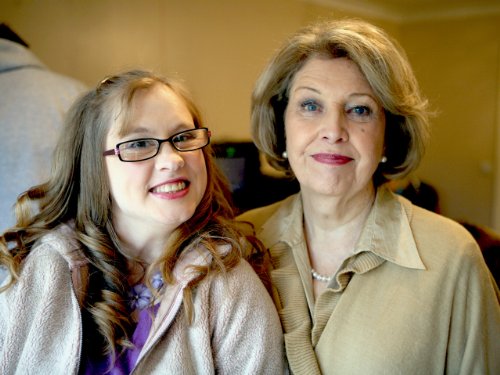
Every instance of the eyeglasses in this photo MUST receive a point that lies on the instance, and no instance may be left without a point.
(147, 148)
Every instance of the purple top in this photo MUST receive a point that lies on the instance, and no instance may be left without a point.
(127, 360)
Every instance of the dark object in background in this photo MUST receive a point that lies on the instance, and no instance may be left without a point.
(250, 188)
(417, 192)
(7, 33)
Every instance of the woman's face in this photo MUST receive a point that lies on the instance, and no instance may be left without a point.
(334, 128)
(161, 193)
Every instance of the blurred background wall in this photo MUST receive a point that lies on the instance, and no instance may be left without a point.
(218, 48)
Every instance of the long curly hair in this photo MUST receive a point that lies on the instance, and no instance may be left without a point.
(78, 192)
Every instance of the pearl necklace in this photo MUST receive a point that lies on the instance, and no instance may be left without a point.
(320, 277)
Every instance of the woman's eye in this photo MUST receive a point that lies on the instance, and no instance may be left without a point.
(139, 144)
(183, 137)
(360, 113)
(310, 106)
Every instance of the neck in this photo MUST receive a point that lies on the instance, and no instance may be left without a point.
(145, 244)
(332, 228)
(330, 212)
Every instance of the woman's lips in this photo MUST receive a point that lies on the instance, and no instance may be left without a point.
(333, 159)
(171, 190)
(169, 187)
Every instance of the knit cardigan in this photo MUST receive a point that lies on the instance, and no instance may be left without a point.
(236, 329)
(415, 297)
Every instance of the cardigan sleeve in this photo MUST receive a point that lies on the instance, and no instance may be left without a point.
(3, 308)
(247, 335)
(40, 322)
(475, 323)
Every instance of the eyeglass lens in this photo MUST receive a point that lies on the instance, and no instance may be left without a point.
(146, 148)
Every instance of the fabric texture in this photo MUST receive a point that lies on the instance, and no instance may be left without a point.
(416, 296)
(126, 361)
(33, 103)
(236, 329)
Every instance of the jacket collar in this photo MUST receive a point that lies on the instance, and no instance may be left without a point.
(15, 56)
(185, 271)
(387, 232)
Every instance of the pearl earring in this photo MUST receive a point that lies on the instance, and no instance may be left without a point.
(384, 159)
(284, 155)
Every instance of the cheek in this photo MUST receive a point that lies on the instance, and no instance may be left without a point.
(114, 173)
(288, 127)
(198, 169)
(114, 182)
(204, 182)
(203, 174)
(110, 173)
(123, 176)
(374, 138)
(290, 134)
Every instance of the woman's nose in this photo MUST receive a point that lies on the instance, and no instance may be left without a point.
(168, 158)
(334, 127)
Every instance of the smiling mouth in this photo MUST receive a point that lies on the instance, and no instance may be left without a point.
(170, 188)
(332, 158)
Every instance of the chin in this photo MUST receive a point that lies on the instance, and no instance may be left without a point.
(177, 219)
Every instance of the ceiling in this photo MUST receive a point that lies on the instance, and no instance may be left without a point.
(413, 10)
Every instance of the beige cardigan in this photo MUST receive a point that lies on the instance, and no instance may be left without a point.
(415, 297)
(236, 328)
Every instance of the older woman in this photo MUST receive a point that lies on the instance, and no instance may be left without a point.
(365, 282)
(131, 262)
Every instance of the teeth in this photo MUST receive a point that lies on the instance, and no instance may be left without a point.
(170, 188)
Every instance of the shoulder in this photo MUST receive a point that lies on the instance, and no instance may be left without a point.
(237, 283)
(443, 242)
(60, 243)
(442, 231)
(53, 256)
(238, 294)
(258, 216)
(14, 56)
(68, 84)
(31, 79)
(408, 231)
(45, 274)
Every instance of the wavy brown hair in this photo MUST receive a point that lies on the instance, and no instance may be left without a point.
(78, 192)
(385, 66)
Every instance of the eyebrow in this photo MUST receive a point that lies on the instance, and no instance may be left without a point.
(143, 131)
(307, 88)
(128, 130)
(355, 94)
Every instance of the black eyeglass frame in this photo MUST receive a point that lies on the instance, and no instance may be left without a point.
(116, 150)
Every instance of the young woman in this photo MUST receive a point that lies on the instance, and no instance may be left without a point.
(130, 261)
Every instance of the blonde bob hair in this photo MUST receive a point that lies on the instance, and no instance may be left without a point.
(384, 65)
(78, 192)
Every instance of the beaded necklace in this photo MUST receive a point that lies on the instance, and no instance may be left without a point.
(320, 277)
(141, 296)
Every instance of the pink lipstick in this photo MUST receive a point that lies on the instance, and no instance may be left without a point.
(332, 159)
(173, 189)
